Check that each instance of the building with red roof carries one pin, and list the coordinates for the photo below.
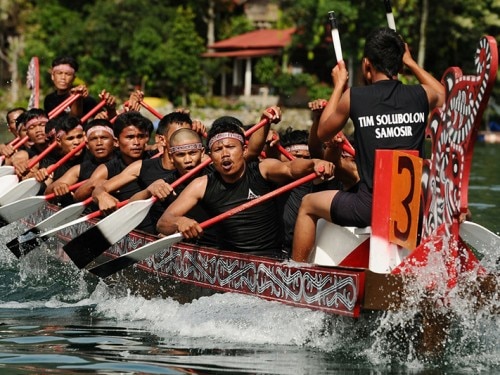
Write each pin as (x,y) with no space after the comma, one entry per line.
(245,48)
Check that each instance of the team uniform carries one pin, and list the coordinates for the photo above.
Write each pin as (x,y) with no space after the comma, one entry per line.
(386,115)
(255,230)
(54,99)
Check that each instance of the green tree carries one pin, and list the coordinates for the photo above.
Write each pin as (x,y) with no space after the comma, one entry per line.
(182,63)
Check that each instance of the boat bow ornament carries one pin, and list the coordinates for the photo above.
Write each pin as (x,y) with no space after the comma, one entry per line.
(453,130)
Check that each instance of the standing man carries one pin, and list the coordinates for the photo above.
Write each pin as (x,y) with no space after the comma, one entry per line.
(386,114)
(63,74)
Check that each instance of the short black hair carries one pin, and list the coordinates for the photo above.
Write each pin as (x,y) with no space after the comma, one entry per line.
(225,124)
(173,118)
(62,60)
(16,109)
(132,118)
(385,49)
(31,114)
(294,137)
(65,123)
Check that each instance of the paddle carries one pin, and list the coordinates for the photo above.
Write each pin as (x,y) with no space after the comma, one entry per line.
(389,15)
(35,236)
(93,111)
(335,36)
(61,107)
(13,142)
(9,192)
(337,47)
(93,242)
(31,186)
(115,265)
(21,208)
(33,82)
(151,109)
(481,239)
(9,169)
(32,238)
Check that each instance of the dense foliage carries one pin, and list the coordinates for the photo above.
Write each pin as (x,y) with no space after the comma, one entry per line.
(157,44)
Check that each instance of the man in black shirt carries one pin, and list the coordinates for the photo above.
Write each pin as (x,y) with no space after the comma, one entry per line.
(63,74)
(233,182)
(386,115)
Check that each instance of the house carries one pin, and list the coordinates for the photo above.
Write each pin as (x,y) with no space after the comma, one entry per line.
(243,50)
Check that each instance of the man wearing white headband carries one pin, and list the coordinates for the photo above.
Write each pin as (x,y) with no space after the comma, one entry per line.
(34,122)
(101,144)
(142,173)
(232,183)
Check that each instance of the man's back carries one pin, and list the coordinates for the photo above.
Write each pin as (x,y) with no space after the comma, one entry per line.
(387,115)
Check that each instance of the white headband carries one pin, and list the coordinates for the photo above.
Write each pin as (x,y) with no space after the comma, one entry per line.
(100,128)
(60,133)
(62,68)
(36,119)
(220,136)
(186,147)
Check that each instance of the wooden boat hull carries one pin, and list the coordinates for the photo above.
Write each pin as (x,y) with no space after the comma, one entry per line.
(186,272)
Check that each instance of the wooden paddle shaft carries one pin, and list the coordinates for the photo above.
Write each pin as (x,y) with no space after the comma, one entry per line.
(61,107)
(258,200)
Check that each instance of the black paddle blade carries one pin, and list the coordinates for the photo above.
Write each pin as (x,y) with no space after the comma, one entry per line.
(112,266)
(26,242)
(86,247)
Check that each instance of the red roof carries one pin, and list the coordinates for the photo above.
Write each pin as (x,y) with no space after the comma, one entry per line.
(258,39)
(244,53)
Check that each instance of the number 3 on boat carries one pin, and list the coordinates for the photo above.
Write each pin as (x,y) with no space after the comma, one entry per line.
(396,206)
(395,219)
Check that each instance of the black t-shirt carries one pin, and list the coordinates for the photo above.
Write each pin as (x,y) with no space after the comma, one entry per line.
(151,171)
(256,229)
(387,115)
(53,100)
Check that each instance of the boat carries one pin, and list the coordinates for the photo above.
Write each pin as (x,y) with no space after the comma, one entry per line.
(368,268)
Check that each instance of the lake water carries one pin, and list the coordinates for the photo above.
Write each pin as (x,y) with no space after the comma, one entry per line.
(55,319)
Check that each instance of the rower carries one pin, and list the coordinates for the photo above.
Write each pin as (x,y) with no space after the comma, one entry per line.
(63,74)
(33,121)
(141,173)
(132,131)
(69,135)
(233,182)
(369,108)
(6,149)
(100,143)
